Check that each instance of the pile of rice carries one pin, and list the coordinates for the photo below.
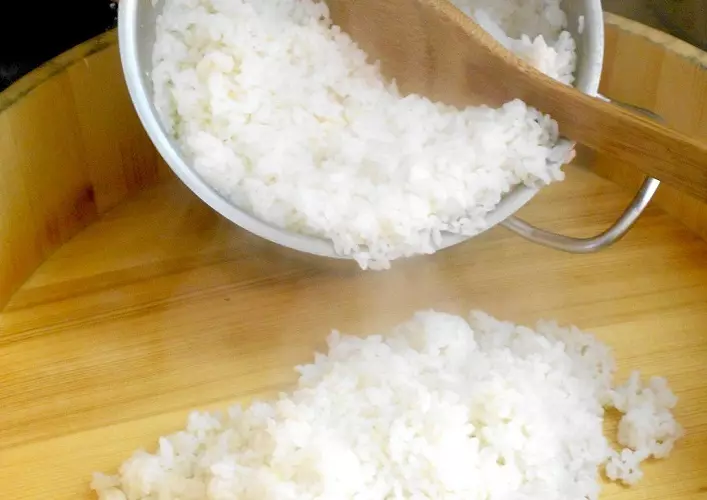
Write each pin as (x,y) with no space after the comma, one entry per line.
(440,408)
(280,113)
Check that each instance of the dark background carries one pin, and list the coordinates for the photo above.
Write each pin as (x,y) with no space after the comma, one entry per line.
(33,32)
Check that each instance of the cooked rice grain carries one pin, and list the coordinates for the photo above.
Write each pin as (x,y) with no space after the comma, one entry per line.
(441,408)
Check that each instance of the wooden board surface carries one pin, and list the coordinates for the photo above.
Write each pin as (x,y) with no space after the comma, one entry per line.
(161,306)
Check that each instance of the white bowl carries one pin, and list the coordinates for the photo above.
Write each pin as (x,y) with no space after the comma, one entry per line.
(136,31)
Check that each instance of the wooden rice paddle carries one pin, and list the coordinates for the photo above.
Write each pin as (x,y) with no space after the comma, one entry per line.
(431,48)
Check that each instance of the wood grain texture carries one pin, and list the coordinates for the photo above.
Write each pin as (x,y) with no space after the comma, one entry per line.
(71,148)
(160,306)
(669,78)
(432,48)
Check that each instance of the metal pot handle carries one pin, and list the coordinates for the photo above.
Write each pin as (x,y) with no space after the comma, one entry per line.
(610,235)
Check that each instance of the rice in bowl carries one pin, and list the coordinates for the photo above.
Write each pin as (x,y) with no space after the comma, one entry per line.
(280,112)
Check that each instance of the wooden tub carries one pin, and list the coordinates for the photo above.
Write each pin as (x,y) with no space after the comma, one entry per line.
(127,302)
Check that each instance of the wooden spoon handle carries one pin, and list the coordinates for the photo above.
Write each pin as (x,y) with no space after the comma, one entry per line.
(468,55)
(656,150)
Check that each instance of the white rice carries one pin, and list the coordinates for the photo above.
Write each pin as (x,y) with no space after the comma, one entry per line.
(281,114)
(440,408)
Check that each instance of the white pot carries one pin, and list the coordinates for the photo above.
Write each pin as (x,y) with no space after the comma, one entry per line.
(136,29)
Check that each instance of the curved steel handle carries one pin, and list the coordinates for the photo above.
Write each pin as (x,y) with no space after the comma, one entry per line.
(608,237)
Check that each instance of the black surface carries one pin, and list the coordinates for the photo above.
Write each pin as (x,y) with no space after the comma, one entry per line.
(33,32)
